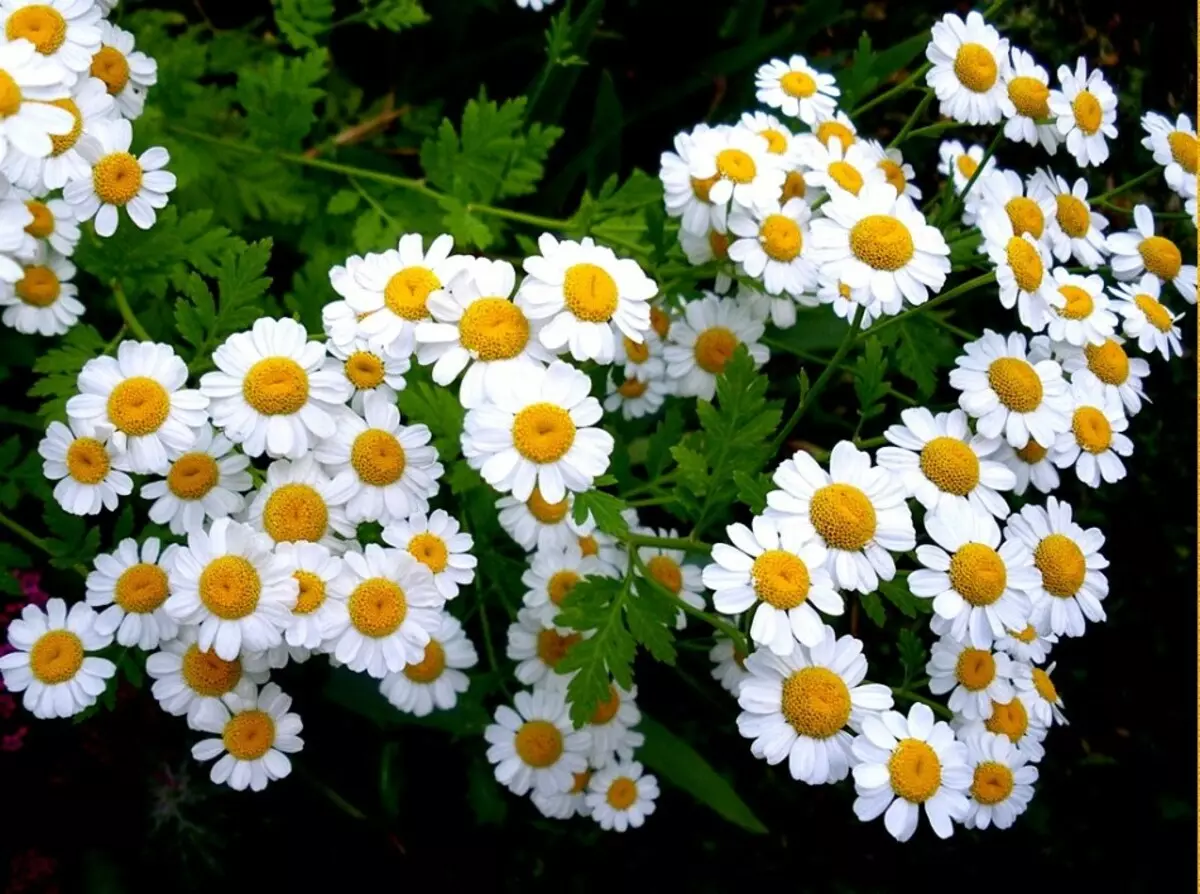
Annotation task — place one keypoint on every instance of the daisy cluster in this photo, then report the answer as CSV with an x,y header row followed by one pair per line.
x,y
71,86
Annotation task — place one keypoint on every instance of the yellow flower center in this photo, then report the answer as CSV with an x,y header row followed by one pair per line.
x,y
60,143
1088,114
1026,636
1183,149
636,353
312,592
1044,685
38,286
546,513
967,166
230,587
1156,315
1009,719
543,433
1079,304
776,142
407,291
951,465
1026,264
1073,215
993,783
581,782
915,771
551,647
192,476
846,176
894,174
295,512
798,84
276,386
87,461
713,349
588,545
249,735
117,177
1030,96
538,743
431,665
1161,257
495,328
667,572
589,292
978,574
975,669
42,26
377,457
794,186
736,165
364,370
1108,362
111,66
701,187
1062,564
843,516
829,130
1016,384
1092,430
622,793
139,406
377,607
975,67
208,674
56,657
881,242
1026,216
141,588
844,291
430,550
660,322
781,238
1032,453
42,224
607,709
719,243
816,702
10,95
560,585
780,579
632,388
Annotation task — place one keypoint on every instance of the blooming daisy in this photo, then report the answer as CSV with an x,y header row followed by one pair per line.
x,y
1075,229
797,89
53,223
190,680
905,763
686,197
846,301
536,523
552,574
209,481
436,681
537,646
969,68
705,248
63,30
857,511
838,167
836,127
15,240
729,664
131,585
1138,250
961,164
778,572
1147,319
731,163
272,391
1036,689
127,73
28,119
1086,113
1175,147
621,796
313,616
880,242
1027,645
1083,317
895,170
1022,271
1012,721
89,471
779,309
437,543
257,731
1025,102
42,300
770,245
50,663
701,343
1029,464
534,746
341,324
941,462
370,368
780,140
1068,557
1001,782
299,502
611,726
564,805
88,104
1005,191
1009,393
636,397
1096,441
667,568
539,431
974,677
116,179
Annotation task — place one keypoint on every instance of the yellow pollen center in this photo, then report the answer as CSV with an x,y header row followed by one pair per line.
x,y
951,465
430,550
846,176
588,545
1026,264
117,177
1026,216
364,370
1184,148
843,516
560,585
56,657
978,574
881,242
1073,215
776,142
111,66
894,174
1088,114
38,286
632,388
975,67
736,165
915,771
993,783
312,592
702,186
844,291
377,457
816,702
780,579
295,512
622,793
636,353
1044,685
1032,453
798,84
377,607
42,26
667,572
546,513
543,433
590,293
431,665
713,349
1079,303
60,143
1009,719
830,130
1161,257
1016,384
1026,636
1157,315
138,406
581,782
141,588
1092,430
607,709
1108,362
1062,564
407,291
660,322
230,587
208,674
967,166
794,186
10,95
276,386
538,743
975,669
551,647
1030,96
87,461
781,238
494,329
249,735
719,243
192,476
42,224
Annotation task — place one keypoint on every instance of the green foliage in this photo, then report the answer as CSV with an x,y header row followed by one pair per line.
x,y
605,509
870,370
58,369
597,604
303,21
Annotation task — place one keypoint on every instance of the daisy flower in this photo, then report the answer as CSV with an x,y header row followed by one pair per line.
x,y
837,167
1001,782
299,502
1036,690
836,127
256,733
969,68
88,104
857,511
191,681
534,746
28,120
1005,191
978,585
552,574
477,327
1083,317
589,296
1030,464
729,664
846,301
1121,374
1075,229
341,324
961,165
537,646
880,242
42,300
54,224
1025,102
1009,393
731,163
705,248
611,726
1138,250
1068,557
15,240
621,796
89,472
116,179
1011,720
436,681
779,573
797,89
536,523
1027,645
780,310
63,30
128,587
50,663
780,140
272,391
904,763
1085,110
1096,441
372,369
230,582
687,198
1175,147
127,73
668,568
564,805
1022,271
770,245
388,611
314,569
941,462
895,170
636,397
974,677
1147,319
209,481
438,543
539,431
701,343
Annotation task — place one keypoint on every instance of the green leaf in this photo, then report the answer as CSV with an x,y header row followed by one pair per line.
x,y
897,593
753,489
59,367
596,604
393,15
921,348
605,510
873,606
676,762
651,614
438,408
302,21
869,385
343,201
912,654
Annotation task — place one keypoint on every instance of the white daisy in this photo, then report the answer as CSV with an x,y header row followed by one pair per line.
x,y
130,585
436,681
836,127
838,167
340,322
536,523
1005,191
621,796
706,248
1147,319
611,726
42,300
1027,645
209,481
858,511
313,616
969,68
1121,374
780,140
116,179
961,164
1096,441
534,746
89,471
797,89
1001,782
1084,316
699,345
1175,147
1086,113
127,73
1035,688
1022,270
895,170
668,568
1029,464
1025,102
1075,229
257,731
846,301
780,310
772,245
50,663
729,664
685,196
1012,721
552,574
731,163
636,397
190,680
975,677
372,369
88,104
16,242
28,120
299,502
63,30
53,223
438,543
1139,249
537,646
564,805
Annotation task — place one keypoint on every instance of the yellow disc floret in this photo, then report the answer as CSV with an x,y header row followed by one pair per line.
x,y
975,669
713,349
1026,216
1092,430
1062,564
139,406
1156,315
495,328
230,587
546,513
276,386
116,178
780,579
551,646
295,512
798,84
589,292
1073,215
1108,362
1080,303
87,461
736,165
843,516
560,585
816,702
192,476
1161,257
38,286
311,595
846,176
43,26
975,67
408,290
666,571
1030,97
1026,264
543,433
993,783
538,743
430,550
622,793
42,224
431,665
249,735
1088,114
951,465
1184,149
377,607
1016,384
781,238
881,242
365,370
141,588
111,66
207,674
978,574
915,771
828,131
1008,719
377,457
56,657
1044,686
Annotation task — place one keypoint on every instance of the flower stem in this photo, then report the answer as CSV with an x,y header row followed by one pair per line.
x,y
127,313
908,695
548,223
25,534
685,544
116,339
912,119
903,87
960,289
1126,186
952,205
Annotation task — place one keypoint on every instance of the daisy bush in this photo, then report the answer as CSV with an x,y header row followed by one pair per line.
x,y
818,400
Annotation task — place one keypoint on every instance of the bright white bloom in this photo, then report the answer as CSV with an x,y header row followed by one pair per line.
x,y
129,587
974,677
702,343
636,397
1096,441
209,481
1004,192
1027,645
371,369
53,223
1084,316
63,30
1010,720
1121,374
314,568
704,248
895,170
436,681
437,543
15,240
534,746
611,726
127,73
667,568
642,360
687,198
1075,229
42,300
190,680
621,796
1147,319
116,179
89,471
729,664
772,244
341,324
256,733
88,104
300,503
1139,249
537,646
564,805
50,663
779,309
535,523
552,574
28,118
1025,102
1174,147
1001,782
961,164
970,67
1036,690
1030,464
797,89
535,5
1022,270
780,140
846,301
837,167
731,163
1086,113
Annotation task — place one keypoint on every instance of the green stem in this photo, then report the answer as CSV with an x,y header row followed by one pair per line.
x,y
813,358
908,695
961,289
903,87
868,443
25,534
952,205
729,629
648,486
488,648
1126,186
912,119
937,127
127,312
116,339
549,223
652,501
687,545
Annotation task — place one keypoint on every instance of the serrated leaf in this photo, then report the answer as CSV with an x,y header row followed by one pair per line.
x,y
605,510
343,201
596,604
302,21
869,385
651,614
873,607
753,489
439,409
393,15
897,593
912,653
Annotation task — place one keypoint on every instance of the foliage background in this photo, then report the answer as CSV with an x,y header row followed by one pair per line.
x,y
116,804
